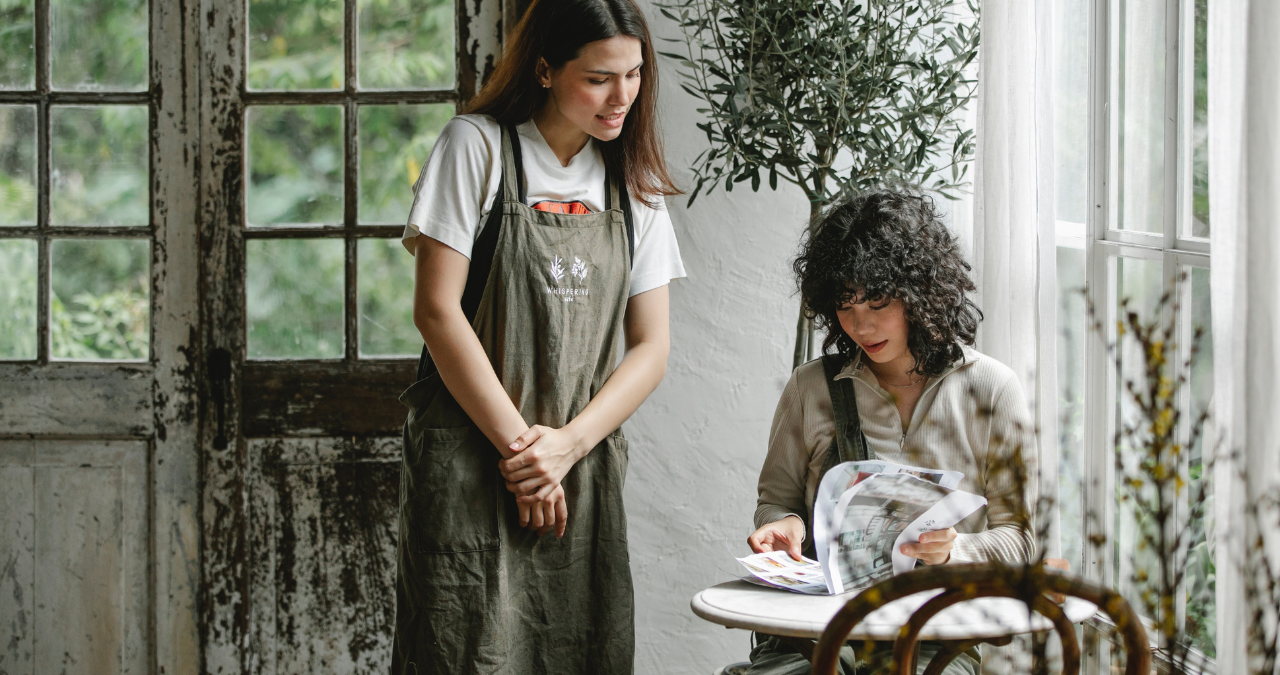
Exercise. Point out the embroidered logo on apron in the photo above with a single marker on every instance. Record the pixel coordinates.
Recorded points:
(577, 271)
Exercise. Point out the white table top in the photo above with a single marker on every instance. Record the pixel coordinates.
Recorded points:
(739, 604)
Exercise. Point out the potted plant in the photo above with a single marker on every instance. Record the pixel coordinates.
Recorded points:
(829, 95)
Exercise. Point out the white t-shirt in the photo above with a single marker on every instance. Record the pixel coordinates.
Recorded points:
(460, 181)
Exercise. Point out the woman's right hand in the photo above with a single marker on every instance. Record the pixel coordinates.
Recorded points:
(782, 535)
(550, 513)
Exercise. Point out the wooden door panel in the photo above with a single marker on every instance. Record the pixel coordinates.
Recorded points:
(74, 561)
(76, 399)
(322, 536)
(282, 399)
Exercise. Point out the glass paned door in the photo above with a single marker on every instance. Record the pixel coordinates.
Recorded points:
(99, 349)
(322, 120)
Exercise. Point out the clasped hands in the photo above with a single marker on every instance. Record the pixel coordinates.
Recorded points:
(542, 456)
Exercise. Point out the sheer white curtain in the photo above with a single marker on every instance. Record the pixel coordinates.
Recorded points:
(1244, 175)
(1013, 214)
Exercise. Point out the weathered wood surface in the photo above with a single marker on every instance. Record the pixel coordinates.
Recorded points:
(322, 547)
(259, 403)
(76, 399)
(324, 399)
(74, 557)
(176, 349)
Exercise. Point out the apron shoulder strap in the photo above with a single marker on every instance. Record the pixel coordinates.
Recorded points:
(616, 193)
(487, 243)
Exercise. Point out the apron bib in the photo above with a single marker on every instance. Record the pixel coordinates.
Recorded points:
(475, 592)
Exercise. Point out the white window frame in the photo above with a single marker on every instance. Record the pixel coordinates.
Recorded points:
(1104, 244)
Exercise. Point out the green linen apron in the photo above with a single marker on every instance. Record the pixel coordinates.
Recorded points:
(475, 592)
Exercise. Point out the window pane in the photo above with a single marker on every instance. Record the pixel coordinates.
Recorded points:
(1201, 620)
(1071, 108)
(18, 299)
(18, 45)
(100, 305)
(100, 166)
(294, 293)
(17, 165)
(1199, 220)
(406, 44)
(385, 273)
(1072, 331)
(295, 44)
(1141, 283)
(295, 165)
(1141, 94)
(394, 141)
(99, 44)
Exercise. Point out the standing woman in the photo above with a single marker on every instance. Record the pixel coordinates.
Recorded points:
(540, 239)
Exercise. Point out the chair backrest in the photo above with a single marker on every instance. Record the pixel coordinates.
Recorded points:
(1027, 583)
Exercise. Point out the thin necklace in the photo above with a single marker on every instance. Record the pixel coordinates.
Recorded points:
(904, 386)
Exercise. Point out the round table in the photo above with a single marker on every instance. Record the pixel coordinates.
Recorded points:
(740, 604)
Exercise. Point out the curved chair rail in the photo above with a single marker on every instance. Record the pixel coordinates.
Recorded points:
(1028, 583)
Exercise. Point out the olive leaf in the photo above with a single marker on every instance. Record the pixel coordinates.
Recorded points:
(834, 96)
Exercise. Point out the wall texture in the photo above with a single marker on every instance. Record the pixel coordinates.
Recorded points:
(697, 445)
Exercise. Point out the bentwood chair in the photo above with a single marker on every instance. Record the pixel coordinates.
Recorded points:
(1028, 583)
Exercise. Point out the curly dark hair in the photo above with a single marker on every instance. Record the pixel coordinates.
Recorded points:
(890, 244)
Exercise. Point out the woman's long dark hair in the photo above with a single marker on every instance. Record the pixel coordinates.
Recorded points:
(890, 244)
(556, 30)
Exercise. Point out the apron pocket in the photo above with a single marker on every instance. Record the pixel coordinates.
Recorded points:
(451, 493)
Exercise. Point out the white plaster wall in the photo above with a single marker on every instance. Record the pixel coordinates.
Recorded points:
(697, 444)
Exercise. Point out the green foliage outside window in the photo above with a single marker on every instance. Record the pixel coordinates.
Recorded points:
(295, 171)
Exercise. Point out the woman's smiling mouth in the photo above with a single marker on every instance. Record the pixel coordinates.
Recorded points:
(614, 120)
(875, 347)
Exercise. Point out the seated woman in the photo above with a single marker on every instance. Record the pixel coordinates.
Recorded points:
(887, 281)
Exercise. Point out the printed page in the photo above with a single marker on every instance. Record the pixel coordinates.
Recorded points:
(777, 569)
(843, 477)
(953, 508)
(872, 522)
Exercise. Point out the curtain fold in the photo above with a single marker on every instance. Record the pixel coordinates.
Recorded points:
(1244, 161)
(1013, 238)
(1014, 251)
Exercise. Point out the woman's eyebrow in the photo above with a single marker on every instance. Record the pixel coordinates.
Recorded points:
(610, 72)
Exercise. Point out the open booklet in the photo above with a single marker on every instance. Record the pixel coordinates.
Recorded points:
(862, 515)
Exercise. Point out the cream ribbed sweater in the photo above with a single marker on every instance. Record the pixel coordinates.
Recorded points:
(973, 419)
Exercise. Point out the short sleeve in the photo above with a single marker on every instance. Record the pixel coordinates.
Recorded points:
(657, 259)
(453, 192)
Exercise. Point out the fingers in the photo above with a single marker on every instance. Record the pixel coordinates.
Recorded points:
(934, 547)
(794, 550)
(526, 473)
(523, 510)
(532, 491)
(548, 517)
(948, 535)
(543, 490)
(536, 520)
(526, 439)
(757, 544)
(562, 516)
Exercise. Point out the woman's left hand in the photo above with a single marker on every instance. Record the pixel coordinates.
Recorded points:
(934, 547)
(543, 457)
